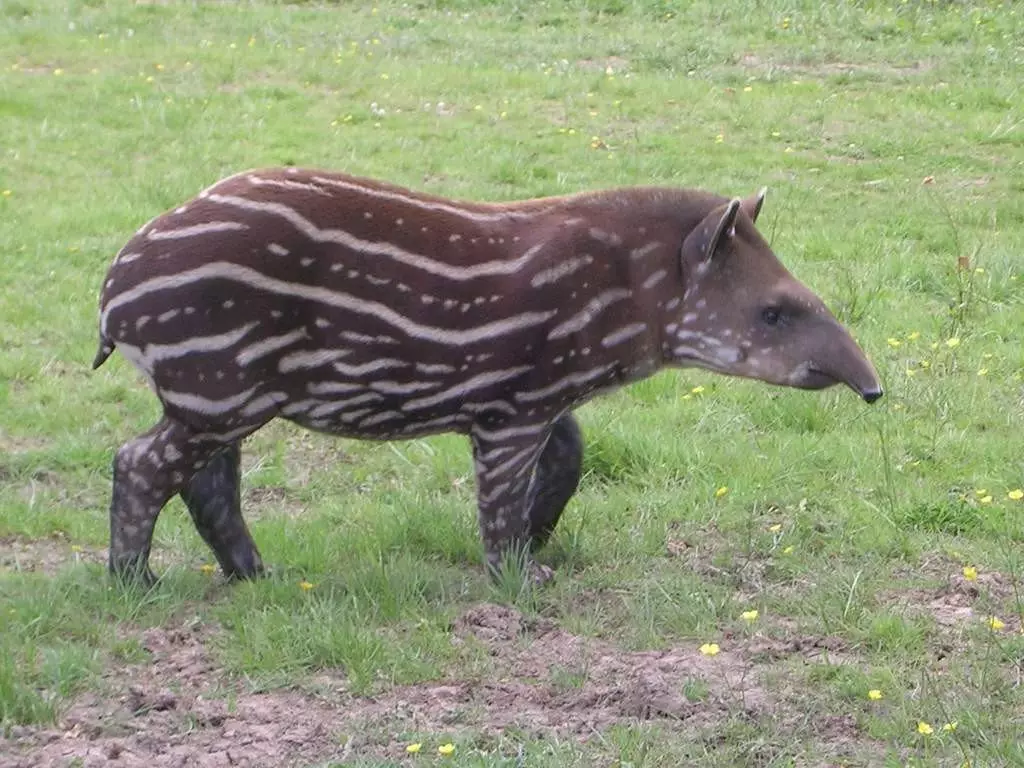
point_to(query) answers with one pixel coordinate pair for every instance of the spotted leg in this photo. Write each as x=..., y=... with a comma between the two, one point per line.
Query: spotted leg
x=505, y=461
x=213, y=498
x=555, y=479
x=148, y=471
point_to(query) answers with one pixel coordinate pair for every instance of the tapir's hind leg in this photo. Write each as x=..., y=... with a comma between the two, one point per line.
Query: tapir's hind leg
x=213, y=497
x=555, y=480
x=148, y=471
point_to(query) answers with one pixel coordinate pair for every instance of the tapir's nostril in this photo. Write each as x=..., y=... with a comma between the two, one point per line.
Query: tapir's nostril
x=871, y=395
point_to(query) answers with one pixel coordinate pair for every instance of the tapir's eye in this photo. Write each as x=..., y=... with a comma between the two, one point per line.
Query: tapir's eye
x=770, y=315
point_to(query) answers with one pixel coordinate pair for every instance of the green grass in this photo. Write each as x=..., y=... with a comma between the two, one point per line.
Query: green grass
x=890, y=136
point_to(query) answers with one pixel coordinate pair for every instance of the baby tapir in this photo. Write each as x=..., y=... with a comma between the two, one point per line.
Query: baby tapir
x=365, y=310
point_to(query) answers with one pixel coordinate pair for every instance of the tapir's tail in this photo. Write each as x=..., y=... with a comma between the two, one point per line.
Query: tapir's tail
x=105, y=350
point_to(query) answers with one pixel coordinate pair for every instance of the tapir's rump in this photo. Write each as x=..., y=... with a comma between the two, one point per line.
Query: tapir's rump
x=362, y=309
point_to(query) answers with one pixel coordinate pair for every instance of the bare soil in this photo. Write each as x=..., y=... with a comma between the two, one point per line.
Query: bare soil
x=178, y=709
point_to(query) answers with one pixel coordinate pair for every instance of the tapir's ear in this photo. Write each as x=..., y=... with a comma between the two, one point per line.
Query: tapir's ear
x=723, y=229
x=700, y=245
x=752, y=205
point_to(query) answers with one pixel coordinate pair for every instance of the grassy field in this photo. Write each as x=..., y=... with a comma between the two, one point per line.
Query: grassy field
x=882, y=548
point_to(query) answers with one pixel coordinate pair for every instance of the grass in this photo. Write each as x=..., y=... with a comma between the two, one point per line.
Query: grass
x=890, y=136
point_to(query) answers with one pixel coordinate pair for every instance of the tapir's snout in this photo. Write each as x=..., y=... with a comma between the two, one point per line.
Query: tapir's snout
x=872, y=395
x=842, y=360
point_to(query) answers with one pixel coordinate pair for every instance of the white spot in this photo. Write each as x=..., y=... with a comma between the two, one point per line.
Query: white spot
x=277, y=250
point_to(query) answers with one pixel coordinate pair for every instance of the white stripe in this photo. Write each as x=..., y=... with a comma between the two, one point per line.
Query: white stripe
x=593, y=307
x=168, y=315
x=472, y=384
x=254, y=279
x=277, y=250
x=496, y=491
x=572, y=380
x=287, y=184
x=376, y=365
x=480, y=211
x=156, y=352
x=516, y=460
x=557, y=272
x=263, y=348
x=429, y=368
x=623, y=334
x=442, y=421
x=504, y=406
x=312, y=358
x=196, y=229
x=338, y=405
x=263, y=403
x=126, y=258
x=397, y=388
x=378, y=418
x=205, y=405
x=332, y=387
x=224, y=437
x=639, y=253
x=379, y=248
x=300, y=406
x=655, y=278
x=508, y=432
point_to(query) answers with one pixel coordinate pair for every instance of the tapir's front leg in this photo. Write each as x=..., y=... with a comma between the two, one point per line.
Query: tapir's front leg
x=505, y=460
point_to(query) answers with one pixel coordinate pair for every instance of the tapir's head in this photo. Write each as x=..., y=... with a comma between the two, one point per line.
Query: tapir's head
x=744, y=314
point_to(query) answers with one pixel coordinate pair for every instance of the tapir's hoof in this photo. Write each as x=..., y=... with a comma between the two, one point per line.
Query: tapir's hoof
x=258, y=571
x=132, y=573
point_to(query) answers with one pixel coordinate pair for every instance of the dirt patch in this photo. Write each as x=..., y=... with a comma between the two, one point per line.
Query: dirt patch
x=177, y=708
x=544, y=679
x=833, y=68
x=957, y=601
x=173, y=710
x=48, y=555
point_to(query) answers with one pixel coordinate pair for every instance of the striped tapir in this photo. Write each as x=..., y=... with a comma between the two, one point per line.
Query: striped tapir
x=361, y=309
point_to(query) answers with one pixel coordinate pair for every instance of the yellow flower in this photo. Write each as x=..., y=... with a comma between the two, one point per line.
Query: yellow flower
x=911, y=372
x=749, y=615
x=995, y=623
x=924, y=729
x=1016, y=494
x=748, y=89
x=874, y=694
x=983, y=371
x=76, y=548
x=58, y=71
x=935, y=345
x=446, y=749
x=207, y=569
x=7, y=193
x=719, y=138
x=788, y=550
x=893, y=342
x=721, y=491
x=775, y=528
x=950, y=726
x=412, y=749
x=913, y=336
x=953, y=342
x=981, y=491
x=698, y=389
x=305, y=586
x=710, y=649
x=970, y=573
x=986, y=499
x=787, y=150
